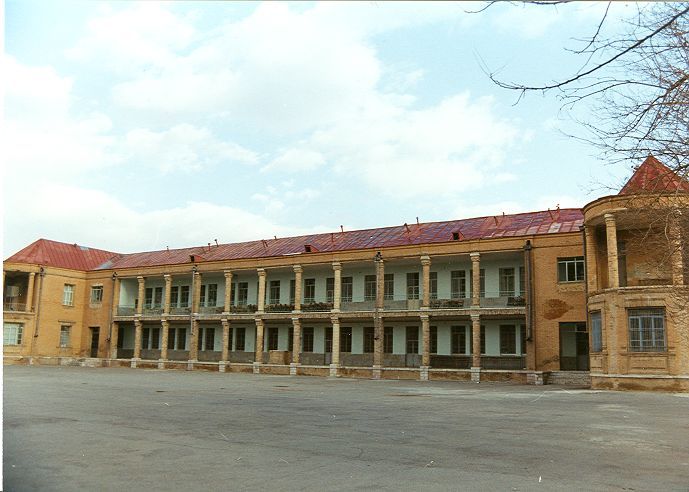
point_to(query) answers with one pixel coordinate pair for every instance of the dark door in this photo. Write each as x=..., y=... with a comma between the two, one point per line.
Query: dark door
x=95, y=333
x=574, y=347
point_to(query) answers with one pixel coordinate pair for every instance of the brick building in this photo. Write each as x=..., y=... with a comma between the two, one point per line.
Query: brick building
x=558, y=295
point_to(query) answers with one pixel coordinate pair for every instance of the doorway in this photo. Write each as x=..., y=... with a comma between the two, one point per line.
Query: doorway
x=574, y=347
x=95, y=334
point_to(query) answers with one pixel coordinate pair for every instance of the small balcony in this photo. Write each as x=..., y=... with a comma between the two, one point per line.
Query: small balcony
x=279, y=308
x=502, y=300
x=12, y=305
x=152, y=310
x=316, y=307
x=349, y=305
x=124, y=310
x=243, y=308
x=180, y=310
x=211, y=309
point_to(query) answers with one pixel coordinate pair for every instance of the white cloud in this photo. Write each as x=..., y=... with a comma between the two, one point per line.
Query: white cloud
x=293, y=160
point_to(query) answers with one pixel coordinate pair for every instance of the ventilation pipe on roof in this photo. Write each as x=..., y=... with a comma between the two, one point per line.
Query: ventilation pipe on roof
x=216, y=242
x=341, y=229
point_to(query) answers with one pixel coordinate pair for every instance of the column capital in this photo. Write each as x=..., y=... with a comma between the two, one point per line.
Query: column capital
x=225, y=322
x=227, y=273
x=140, y=278
x=137, y=323
x=609, y=218
x=32, y=274
x=475, y=317
x=297, y=269
x=424, y=317
x=165, y=323
x=425, y=260
x=261, y=272
x=259, y=321
x=475, y=256
x=197, y=274
x=167, y=277
x=334, y=319
x=296, y=321
x=337, y=265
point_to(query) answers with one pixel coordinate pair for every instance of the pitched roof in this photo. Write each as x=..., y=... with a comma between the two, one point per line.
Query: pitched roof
x=652, y=176
x=525, y=224
x=61, y=255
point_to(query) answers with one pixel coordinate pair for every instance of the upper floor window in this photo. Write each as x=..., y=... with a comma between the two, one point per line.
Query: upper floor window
x=506, y=282
x=570, y=269
x=433, y=285
x=96, y=294
x=596, y=332
x=68, y=295
x=389, y=286
x=153, y=297
x=347, y=287
x=370, y=288
x=209, y=295
x=309, y=290
x=458, y=284
x=647, y=330
x=242, y=293
x=413, y=285
x=12, y=333
x=292, y=290
x=330, y=289
x=274, y=292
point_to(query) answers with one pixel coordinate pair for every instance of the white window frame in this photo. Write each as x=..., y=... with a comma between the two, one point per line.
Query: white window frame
x=98, y=298
x=651, y=321
x=65, y=342
x=12, y=334
x=579, y=268
x=68, y=295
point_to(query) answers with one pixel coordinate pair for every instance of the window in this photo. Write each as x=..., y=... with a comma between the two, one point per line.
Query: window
x=570, y=269
x=413, y=285
x=596, y=332
x=272, y=338
x=347, y=288
x=209, y=339
x=434, y=340
x=209, y=295
x=240, y=339
x=433, y=285
x=184, y=296
x=345, y=340
x=369, y=339
x=307, y=340
x=522, y=338
x=145, y=337
x=370, y=288
x=96, y=294
x=329, y=339
x=12, y=333
x=292, y=291
x=389, y=286
x=68, y=295
x=508, y=339
x=153, y=297
x=229, y=339
x=242, y=293
x=647, y=330
x=483, y=339
x=274, y=292
x=458, y=284
x=150, y=338
x=458, y=341
x=309, y=290
x=290, y=338
x=64, y=336
x=387, y=340
x=506, y=282
x=177, y=339
x=330, y=289
x=412, y=340
x=174, y=295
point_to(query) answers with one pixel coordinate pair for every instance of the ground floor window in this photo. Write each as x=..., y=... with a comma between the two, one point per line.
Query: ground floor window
x=240, y=339
x=388, y=340
x=307, y=340
x=596, y=331
x=12, y=333
x=290, y=338
x=329, y=339
x=346, y=340
x=64, y=335
x=458, y=340
x=206, y=339
x=177, y=339
x=369, y=339
x=150, y=338
x=412, y=339
x=483, y=339
x=272, y=338
x=647, y=330
x=433, y=340
x=229, y=339
x=508, y=339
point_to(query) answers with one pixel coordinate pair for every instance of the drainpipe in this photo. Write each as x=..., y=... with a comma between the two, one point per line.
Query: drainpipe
x=41, y=274
x=192, y=296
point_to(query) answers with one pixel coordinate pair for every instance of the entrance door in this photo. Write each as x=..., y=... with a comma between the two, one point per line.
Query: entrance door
x=95, y=333
x=574, y=347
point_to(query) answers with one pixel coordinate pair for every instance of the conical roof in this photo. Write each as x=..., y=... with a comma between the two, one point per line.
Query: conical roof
x=652, y=176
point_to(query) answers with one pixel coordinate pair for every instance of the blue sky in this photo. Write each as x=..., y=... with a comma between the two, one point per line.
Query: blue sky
x=136, y=126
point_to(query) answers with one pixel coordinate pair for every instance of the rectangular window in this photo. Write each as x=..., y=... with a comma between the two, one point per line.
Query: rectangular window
x=292, y=291
x=458, y=284
x=64, y=336
x=369, y=339
x=522, y=339
x=211, y=297
x=242, y=293
x=330, y=289
x=506, y=282
x=433, y=285
x=345, y=339
x=434, y=340
x=68, y=295
x=309, y=290
x=184, y=296
x=388, y=335
x=209, y=339
x=174, y=295
x=145, y=337
x=148, y=298
x=307, y=339
x=229, y=339
x=240, y=340
x=347, y=289
x=508, y=339
x=412, y=339
x=181, y=338
x=274, y=292
x=96, y=294
x=12, y=333
x=483, y=339
x=272, y=338
x=329, y=339
x=570, y=269
x=290, y=338
x=413, y=285
x=647, y=330
x=170, y=338
x=459, y=340
x=389, y=286
x=596, y=332
x=370, y=288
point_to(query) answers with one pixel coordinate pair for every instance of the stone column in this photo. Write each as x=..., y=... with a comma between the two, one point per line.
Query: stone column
x=193, y=344
x=475, y=279
x=297, y=287
x=224, y=358
x=426, y=269
x=337, y=294
x=476, y=347
x=677, y=258
x=425, y=347
x=611, y=234
x=261, y=303
x=168, y=293
x=380, y=284
x=258, y=360
x=113, y=339
x=196, y=299
x=228, y=292
x=115, y=296
x=163, y=343
x=591, y=259
x=138, y=326
x=335, y=362
x=378, y=333
x=29, y=293
x=142, y=295
x=296, y=346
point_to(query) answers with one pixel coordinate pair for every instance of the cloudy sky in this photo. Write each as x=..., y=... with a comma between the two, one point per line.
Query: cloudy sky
x=135, y=126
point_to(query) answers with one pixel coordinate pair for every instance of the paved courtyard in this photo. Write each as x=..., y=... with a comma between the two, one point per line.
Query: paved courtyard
x=121, y=429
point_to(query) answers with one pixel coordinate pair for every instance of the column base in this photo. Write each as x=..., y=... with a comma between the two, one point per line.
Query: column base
x=475, y=374
x=222, y=365
x=257, y=367
x=334, y=370
x=377, y=372
x=293, y=368
x=133, y=362
x=161, y=363
x=423, y=373
x=190, y=364
x=535, y=377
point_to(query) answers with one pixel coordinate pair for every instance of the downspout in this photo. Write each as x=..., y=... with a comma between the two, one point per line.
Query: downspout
x=41, y=274
x=192, y=297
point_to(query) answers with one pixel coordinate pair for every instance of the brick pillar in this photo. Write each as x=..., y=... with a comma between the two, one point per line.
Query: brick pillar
x=297, y=287
x=611, y=234
x=591, y=258
x=113, y=339
x=380, y=284
x=196, y=299
x=259, y=342
x=224, y=358
x=475, y=347
x=261, y=303
x=425, y=346
x=296, y=341
x=337, y=294
x=194, y=342
x=142, y=294
x=29, y=293
x=475, y=279
x=228, y=292
x=138, y=326
x=163, y=343
x=335, y=362
x=115, y=297
x=168, y=293
x=378, y=328
x=426, y=269
x=676, y=258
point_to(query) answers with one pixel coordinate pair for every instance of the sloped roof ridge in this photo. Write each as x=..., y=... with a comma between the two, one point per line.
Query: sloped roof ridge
x=652, y=176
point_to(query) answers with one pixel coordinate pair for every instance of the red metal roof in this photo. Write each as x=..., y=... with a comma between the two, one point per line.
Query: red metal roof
x=652, y=176
x=62, y=255
x=525, y=224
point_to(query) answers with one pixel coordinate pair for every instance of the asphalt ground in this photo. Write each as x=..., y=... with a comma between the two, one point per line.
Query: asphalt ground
x=131, y=429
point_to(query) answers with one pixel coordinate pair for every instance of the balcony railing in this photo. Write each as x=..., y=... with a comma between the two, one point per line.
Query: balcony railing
x=124, y=310
x=211, y=309
x=502, y=299
x=153, y=310
x=243, y=308
x=401, y=303
x=13, y=306
x=313, y=307
x=450, y=303
x=180, y=310
x=279, y=308
x=358, y=305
